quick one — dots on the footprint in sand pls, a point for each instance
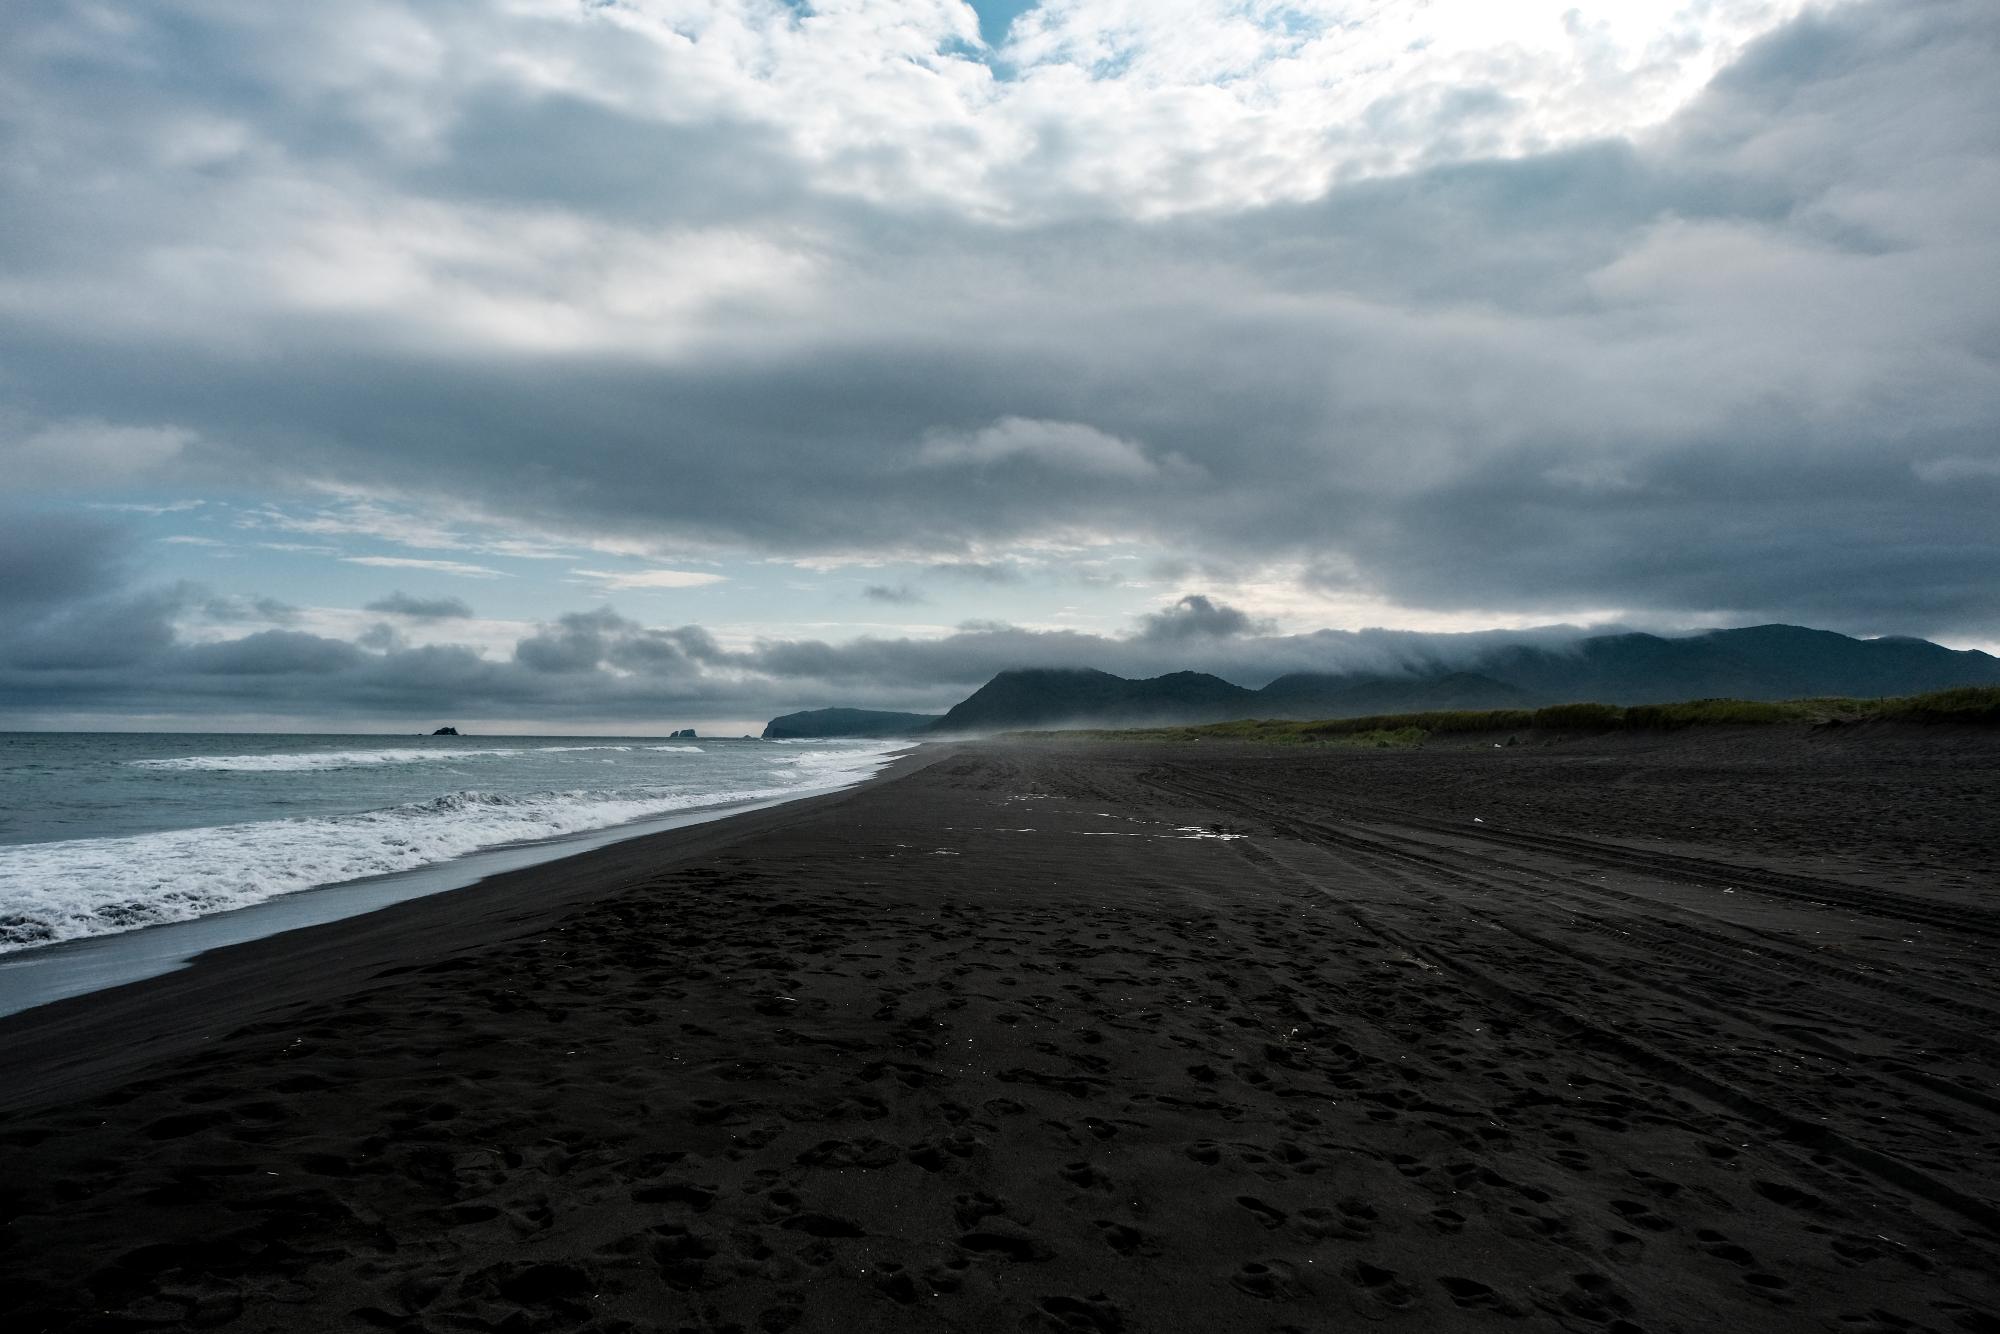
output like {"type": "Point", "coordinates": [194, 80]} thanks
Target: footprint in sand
{"type": "Point", "coordinates": [1268, 1280]}
{"type": "Point", "coordinates": [1126, 1240]}
{"type": "Point", "coordinates": [1377, 1290]}
{"type": "Point", "coordinates": [1007, 1240]}
{"type": "Point", "coordinates": [1269, 1215]}
{"type": "Point", "coordinates": [1095, 1312]}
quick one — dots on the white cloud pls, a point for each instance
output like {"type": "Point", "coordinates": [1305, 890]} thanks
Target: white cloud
{"type": "Point", "coordinates": [437, 566]}
{"type": "Point", "coordinates": [651, 578]}
{"type": "Point", "coordinates": [357, 518]}
{"type": "Point", "coordinates": [137, 507]}
{"type": "Point", "coordinates": [359, 514]}
{"type": "Point", "coordinates": [527, 280]}
{"type": "Point", "coordinates": [86, 452]}
{"type": "Point", "coordinates": [1148, 107]}
{"type": "Point", "coordinates": [1069, 446]}
{"type": "Point", "coordinates": [1247, 281]}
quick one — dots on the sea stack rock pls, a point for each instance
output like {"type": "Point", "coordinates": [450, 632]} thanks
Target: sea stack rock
{"type": "Point", "coordinates": [685, 734]}
{"type": "Point", "coordinates": [446, 731]}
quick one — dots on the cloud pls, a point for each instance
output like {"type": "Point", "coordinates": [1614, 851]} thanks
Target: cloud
{"type": "Point", "coordinates": [577, 643]}
{"type": "Point", "coordinates": [602, 640]}
{"type": "Point", "coordinates": [380, 638]}
{"type": "Point", "coordinates": [128, 652]}
{"type": "Point", "coordinates": [137, 507]}
{"type": "Point", "coordinates": [460, 568]}
{"type": "Point", "coordinates": [629, 579]}
{"type": "Point", "coordinates": [273, 653]}
{"type": "Point", "coordinates": [360, 514]}
{"type": "Point", "coordinates": [85, 452]}
{"type": "Point", "coordinates": [1145, 109]}
{"type": "Point", "coordinates": [978, 571]}
{"type": "Point", "coordinates": [229, 610]}
{"type": "Point", "coordinates": [129, 630]}
{"type": "Point", "coordinates": [1063, 446]}
{"type": "Point", "coordinates": [51, 558]}
{"type": "Point", "coordinates": [1687, 316]}
{"type": "Point", "coordinates": [1198, 617]}
{"type": "Point", "coordinates": [416, 608]}
{"type": "Point", "coordinates": [899, 595]}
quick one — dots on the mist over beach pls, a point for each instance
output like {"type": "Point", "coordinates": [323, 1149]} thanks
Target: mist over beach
{"type": "Point", "coordinates": [836, 665]}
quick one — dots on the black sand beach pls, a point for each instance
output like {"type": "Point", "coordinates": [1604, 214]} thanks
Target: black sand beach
{"type": "Point", "coordinates": [1644, 1034]}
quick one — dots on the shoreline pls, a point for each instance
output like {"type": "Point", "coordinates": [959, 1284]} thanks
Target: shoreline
{"type": "Point", "coordinates": [95, 963]}
{"type": "Point", "coordinates": [1114, 1038]}
{"type": "Point", "coordinates": [40, 1043]}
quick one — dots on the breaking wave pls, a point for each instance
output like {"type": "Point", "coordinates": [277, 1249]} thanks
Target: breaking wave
{"type": "Point", "coordinates": [76, 888]}
{"type": "Point", "coordinates": [315, 760]}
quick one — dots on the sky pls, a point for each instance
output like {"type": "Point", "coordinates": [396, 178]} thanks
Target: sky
{"type": "Point", "coordinates": [637, 364]}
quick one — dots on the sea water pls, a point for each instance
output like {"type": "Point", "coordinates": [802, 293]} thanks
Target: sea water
{"type": "Point", "coordinates": [108, 833]}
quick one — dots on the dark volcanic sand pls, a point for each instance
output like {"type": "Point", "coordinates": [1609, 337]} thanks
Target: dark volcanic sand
{"type": "Point", "coordinates": [1695, 1034]}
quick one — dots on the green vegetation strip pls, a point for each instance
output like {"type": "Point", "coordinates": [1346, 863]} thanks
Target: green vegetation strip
{"type": "Point", "coordinates": [1967, 704]}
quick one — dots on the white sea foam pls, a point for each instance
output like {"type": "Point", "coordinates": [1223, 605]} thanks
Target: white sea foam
{"type": "Point", "coordinates": [89, 887]}
{"type": "Point", "coordinates": [814, 760]}
{"type": "Point", "coordinates": [314, 760]}
{"type": "Point", "coordinates": [1198, 831]}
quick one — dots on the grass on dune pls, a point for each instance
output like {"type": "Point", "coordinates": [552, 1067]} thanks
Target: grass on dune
{"type": "Point", "coordinates": [1966, 704]}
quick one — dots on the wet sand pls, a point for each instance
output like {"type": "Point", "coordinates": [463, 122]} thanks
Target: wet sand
{"type": "Point", "coordinates": [1686, 1033]}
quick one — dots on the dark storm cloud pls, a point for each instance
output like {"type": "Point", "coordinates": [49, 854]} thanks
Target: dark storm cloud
{"type": "Point", "coordinates": [579, 642]}
{"type": "Point", "coordinates": [1846, 553]}
{"type": "Point", "coordinates": [1718, 369]}
{"type": "Point", "coordinates": [931, 672]}
{"type": "Point", "coordinates": [272, 653]}
{"type": "Point", "coordinates": [1198, 617]}
{"type": "Point", "coordinates": [978, 572]}
{"type": "Point", "coordinates": [416, 608]}
{"type": "Point", "coordinates": [121, 654]}
{"type": "Point", "coordinates": [49, 558]}
{"type": "Point", "coordinates": [64, 603]}
{"type": "Point", "coordinates": [228, 610]}
{"type": "Point", "coordinates": [120, 631]}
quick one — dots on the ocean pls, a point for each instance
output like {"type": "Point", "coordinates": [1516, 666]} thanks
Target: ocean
{"type": "Point", "coordinates": [110, 833]}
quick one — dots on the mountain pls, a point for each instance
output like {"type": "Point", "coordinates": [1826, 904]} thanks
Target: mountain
{"type": "Point", "coordinates": [818, 723]}
{"type": "Point", "coordinates": [1758, 662]}
{"type": "Point", "coordinates": [1820, 662]}
{"type": "Point", "coordinates": [1319, 695]}
{"type": "Point", "coordinates": [1755, 662]}
{"type": "Point", "coordinates": [1059, 697]}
